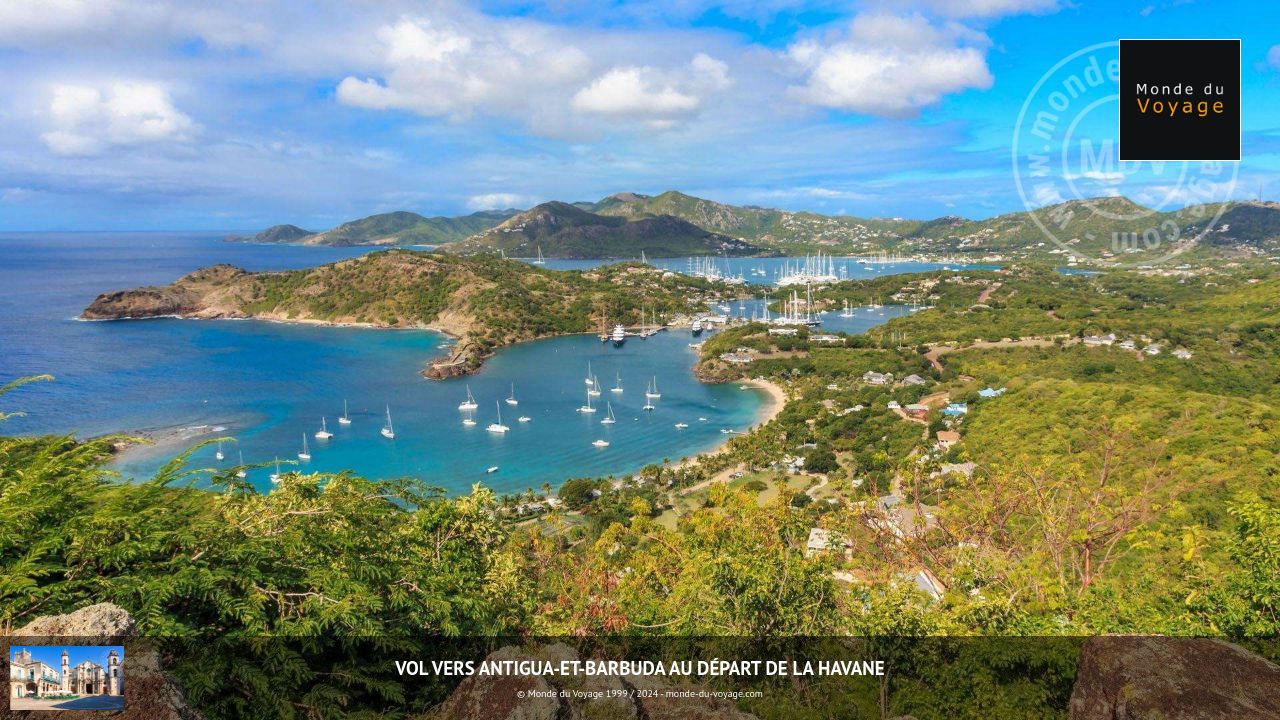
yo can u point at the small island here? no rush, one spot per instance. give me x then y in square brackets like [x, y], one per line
[485, 302]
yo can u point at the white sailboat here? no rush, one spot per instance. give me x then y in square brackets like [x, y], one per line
[305, 454]
[469, 403]
[541, 260]
[617, 386]
[346, 416]
[652, 393]
[498, 427]
[275, 476]
[609, 419]
[218, 455]
[469, 420]
[512, 400]
[241, 473]
[587, 408]
[594, 389]
[601, 443]
[388, 431]
[590, 378]
[323, 433]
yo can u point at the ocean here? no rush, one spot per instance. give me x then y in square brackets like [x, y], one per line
[267, 385]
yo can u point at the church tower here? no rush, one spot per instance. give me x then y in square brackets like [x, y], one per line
[113, 673]
[62, 678]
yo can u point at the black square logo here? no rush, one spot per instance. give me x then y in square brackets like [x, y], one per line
[1179, 100]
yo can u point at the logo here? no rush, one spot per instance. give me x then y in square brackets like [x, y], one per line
[1083, 197]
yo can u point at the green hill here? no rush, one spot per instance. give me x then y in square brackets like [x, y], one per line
[484, 301]
[393, 228]
[562, 230]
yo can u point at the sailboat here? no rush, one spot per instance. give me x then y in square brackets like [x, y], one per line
[643, 259]
[601, 443]
[594, 390]
[498, 427]
[218, 455]
[346, 416]
[617, 387]
[610, 419]
[590, 378]
[848, 311]
[512, 400]
[587, 408]
[652, 393]
[305, 454]
[275, 476]
[469, 420]
[241, 473]
[469, 403]
[541, 260]
[388, 431]
[681, 426]
[323, 433]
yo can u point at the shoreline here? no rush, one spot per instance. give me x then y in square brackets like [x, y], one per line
[776, 400]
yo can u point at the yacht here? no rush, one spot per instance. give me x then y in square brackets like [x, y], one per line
[492, 469]
[601, 443]
[275, 476]
[218, 455]
[241, 473]
[590, 378]
[541, 260]
[305, 454]
[617, 387]
[512, 400]
[619, 335]
[587, 408]
[697, 327]
[469, 403]
[388, 431]
[323, 433]
[346, 416]
[498, 427]
[609, 419]
[594, 390]
[469, 420]
[681, 426]
[523, 418]
[652, 393]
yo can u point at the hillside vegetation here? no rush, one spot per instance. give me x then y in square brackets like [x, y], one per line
[486, 302]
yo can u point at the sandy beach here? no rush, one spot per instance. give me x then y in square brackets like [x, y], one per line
[777, 399]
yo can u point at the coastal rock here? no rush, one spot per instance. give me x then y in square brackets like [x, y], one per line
[488, 697]
[104, 620]
[1149, 678]
[190, 295]
[150, 693]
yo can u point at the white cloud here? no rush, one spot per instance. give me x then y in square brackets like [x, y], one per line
[87, 120]
[1273, 57]
[497, 201]
[645, 93]
[989, 8]
[445, 66]
[891, 66]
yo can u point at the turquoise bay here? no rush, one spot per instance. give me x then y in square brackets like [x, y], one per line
[269, 384]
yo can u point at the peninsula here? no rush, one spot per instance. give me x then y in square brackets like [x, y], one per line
[484, 301]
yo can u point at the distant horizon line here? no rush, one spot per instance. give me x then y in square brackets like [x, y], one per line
[251, 231]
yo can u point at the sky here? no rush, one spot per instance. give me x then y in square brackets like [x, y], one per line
[52, 655]
[236, 115]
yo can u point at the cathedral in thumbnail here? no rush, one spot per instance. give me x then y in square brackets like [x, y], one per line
[29, 677]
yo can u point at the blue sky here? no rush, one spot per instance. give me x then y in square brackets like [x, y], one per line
[120, 114]
[76, 654]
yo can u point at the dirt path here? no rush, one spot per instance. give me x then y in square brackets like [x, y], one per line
[937, 351]
[986, 294]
